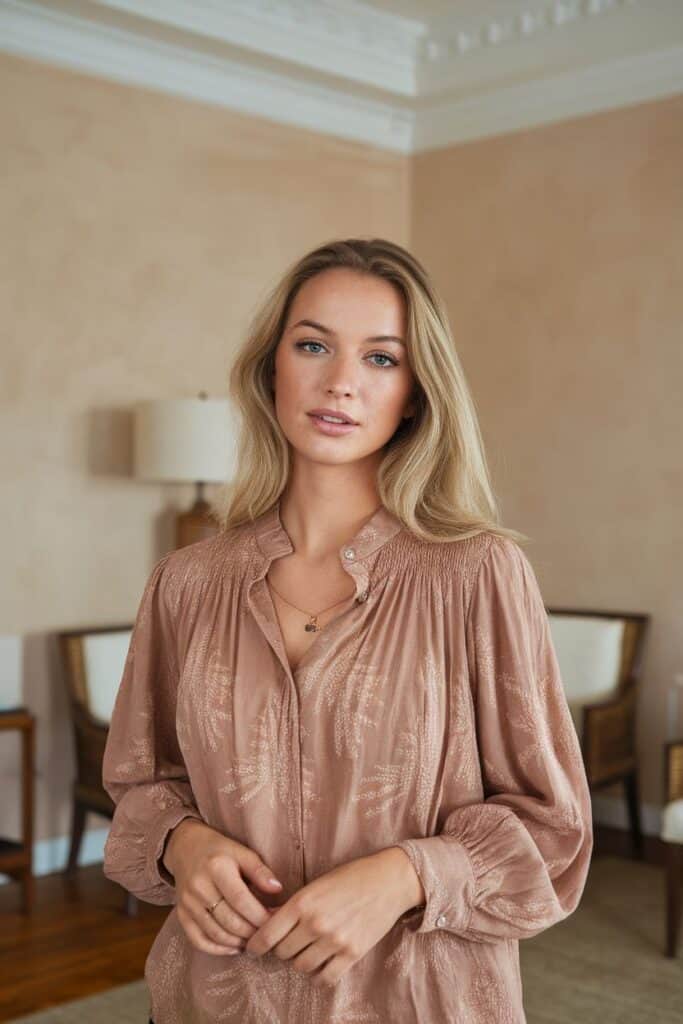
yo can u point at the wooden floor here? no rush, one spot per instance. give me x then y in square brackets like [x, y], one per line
[79, 941]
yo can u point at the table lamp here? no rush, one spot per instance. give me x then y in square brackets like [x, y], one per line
[183, 440]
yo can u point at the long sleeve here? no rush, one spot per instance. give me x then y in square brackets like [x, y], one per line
[143, 769]
[516, 863]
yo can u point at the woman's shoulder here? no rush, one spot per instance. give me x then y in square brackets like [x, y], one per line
[207, 560]
[453, 553]
[467, 562]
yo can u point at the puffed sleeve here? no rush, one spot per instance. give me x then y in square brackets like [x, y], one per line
[516, 863]
[143, 769]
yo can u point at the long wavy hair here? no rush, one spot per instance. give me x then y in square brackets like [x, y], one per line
[434, 475]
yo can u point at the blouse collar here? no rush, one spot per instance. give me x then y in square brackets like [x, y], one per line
[273, 540]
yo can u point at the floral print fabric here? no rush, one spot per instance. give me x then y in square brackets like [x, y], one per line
[429, 715]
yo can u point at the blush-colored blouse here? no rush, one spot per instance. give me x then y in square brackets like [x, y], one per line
[429, 715]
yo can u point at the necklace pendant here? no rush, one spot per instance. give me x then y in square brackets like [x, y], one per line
[312, 626]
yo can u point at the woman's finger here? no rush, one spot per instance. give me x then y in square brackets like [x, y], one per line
[226, 877]
[205, 893]
[228, 918]
[200, 941]
[215, 930]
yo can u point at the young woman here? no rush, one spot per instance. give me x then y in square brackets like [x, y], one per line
[341, 748]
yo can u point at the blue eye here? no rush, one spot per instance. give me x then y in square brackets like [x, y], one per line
[381, 355]
[300, 344]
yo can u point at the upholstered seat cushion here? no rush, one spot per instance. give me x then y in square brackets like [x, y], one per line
[672, 822]
[589, 655]
[104, 655]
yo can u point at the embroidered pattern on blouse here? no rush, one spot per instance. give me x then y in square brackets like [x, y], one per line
[142, 759]
[310, 771]
[253, 989]
[347, 689]
[536, 707]
[121, 847]
[485, 994]
[462, 754]
[265, 767]
[404, 716]
[257, 988]
[206, 698]
[167, 974]
[417, 753]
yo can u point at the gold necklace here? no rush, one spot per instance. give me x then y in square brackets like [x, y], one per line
[312, 624]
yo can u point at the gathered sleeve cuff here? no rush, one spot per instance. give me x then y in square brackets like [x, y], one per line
[143, 770]
[516, 863]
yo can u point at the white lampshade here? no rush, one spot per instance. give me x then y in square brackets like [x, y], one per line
[185, 440]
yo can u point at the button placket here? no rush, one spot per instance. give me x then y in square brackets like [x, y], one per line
[272, 541]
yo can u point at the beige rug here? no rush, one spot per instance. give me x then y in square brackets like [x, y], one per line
[604, 965]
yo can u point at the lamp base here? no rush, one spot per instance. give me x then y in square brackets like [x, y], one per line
[195, 524]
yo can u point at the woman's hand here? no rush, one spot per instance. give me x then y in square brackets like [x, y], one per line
[207, 865]
[339, 916]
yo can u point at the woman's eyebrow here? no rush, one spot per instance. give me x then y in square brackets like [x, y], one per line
[328, 330]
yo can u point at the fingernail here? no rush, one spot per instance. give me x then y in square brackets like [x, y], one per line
[274, 881]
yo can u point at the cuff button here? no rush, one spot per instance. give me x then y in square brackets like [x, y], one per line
[441, 920]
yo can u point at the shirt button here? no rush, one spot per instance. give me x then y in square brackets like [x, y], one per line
[349, 554]
[297, 844]
[441, 920]
[362, 597]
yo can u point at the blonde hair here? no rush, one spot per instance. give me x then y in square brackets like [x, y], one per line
[434, 475]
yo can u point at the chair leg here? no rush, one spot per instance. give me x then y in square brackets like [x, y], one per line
[27, 891]
[77, 828]
[633, 803]
[132, 905]
[673, 896]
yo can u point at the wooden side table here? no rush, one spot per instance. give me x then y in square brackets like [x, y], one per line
[16, 858]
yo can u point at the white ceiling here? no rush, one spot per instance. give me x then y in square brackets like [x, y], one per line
[405, 75]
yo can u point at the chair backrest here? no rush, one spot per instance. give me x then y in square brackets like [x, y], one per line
[599, 654]
[94, 660]
[11, 660]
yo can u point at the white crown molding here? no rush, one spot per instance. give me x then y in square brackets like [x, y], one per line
[355, 71]
[341, 38]
[460, 32]
[573, 94]
[118, 54]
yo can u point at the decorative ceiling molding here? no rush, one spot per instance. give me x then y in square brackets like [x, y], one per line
[456, 33]
[436, 74]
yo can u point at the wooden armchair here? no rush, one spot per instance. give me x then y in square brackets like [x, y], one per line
[671, 835]
[93, 662]
[600, 655]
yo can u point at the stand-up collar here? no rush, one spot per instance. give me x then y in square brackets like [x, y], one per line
[273, 540]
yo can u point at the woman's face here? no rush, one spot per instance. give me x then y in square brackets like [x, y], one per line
[340, 361]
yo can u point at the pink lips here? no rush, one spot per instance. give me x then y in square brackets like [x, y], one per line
[332, 429]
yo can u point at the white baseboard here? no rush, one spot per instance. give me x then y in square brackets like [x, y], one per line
[612, 811]
[50, 855]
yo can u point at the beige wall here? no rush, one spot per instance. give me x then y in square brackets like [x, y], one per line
[559, 252]
[140, 232]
